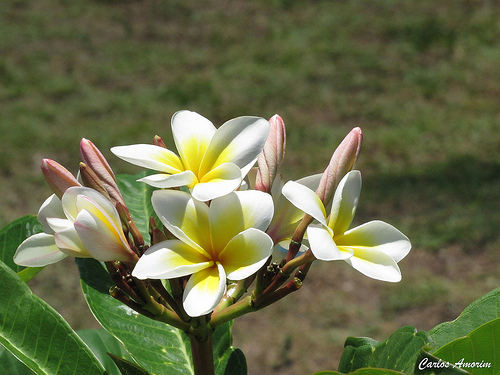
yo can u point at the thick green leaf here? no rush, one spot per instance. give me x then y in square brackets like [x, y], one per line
[155, 346]
[11, 365]
[13, 234]
[101, 343]
[127, 367]
[478, 352]
[363, 371]
[479, 312]
[137, 196]
[429, 364]
[399, 352]
[37, 335]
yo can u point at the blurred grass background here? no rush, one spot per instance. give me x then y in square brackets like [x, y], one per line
[421, 79]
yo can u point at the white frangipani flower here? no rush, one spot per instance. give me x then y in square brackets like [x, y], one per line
[211, 163]
[82, 224]
[373, 249]
[218, 242]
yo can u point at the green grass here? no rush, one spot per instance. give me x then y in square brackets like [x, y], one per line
[420, 78]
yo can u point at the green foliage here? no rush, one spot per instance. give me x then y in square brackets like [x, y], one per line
[137, 196]
[155, 346]
[37, 334]
[13, 234]
[479, 312]
[363, 371]
[398, 352]
[104, 346]
[479, 350]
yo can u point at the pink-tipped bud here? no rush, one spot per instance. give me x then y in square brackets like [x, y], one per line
[158, 141]
[96, 161]
[58, 177]
[342, 161]
[271, 155]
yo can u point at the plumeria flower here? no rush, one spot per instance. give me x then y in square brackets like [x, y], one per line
[374, 248]
[82, 224]
[211, 163]
[214, 243]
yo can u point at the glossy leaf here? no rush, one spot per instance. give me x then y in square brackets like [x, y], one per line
[479, 312]
[137, 196]
[11, 365]
[429, 364]
[478, 352]
[127, 367]
[13, 234]
[399, 352]
[37, 335]
[102, 343]
[155, 346]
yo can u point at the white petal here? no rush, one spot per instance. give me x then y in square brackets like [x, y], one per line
[101, 238]
[169, 259]
[37, 251]
[345, 202]
[57, 225]
[150, 156]
[165, 181]
[246, 253]
[70, 243]
[375, 264]
[305, 199]
[204, 290]
[377, 235]
[51, 207]
[236, 212]
[323, 246]
[192, 134]
[238, 141]
[218, 182]
[185, 217]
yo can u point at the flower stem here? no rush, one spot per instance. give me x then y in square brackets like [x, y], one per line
[202, 351]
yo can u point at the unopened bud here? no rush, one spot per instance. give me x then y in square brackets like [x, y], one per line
[91, 180]
[271, 155]
[157, 141]
[96, 161]
[58, 177]
[342, 161]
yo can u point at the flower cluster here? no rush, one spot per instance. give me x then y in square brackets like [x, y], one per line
[222, 219]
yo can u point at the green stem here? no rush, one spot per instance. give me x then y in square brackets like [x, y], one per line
[232, 312]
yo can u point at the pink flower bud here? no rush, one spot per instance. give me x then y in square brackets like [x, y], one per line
[95, 160]
[271, 155]
[58, 177]
[342, 161]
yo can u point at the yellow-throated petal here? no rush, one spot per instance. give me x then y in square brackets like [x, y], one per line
[238, 141]
[246, 253]
[375, 264]
[38, 250]
[151, 157]
[100, 237]
[236, 212]
[165, 181]
[379, 236]
[204, 290]
[323, 246]
[305, 199]
[218, 182]
[70, 243]
[345, 202]
[192, 134]
[170, 259]
[185, 217]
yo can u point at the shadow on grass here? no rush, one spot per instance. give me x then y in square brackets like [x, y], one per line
[457, 202]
